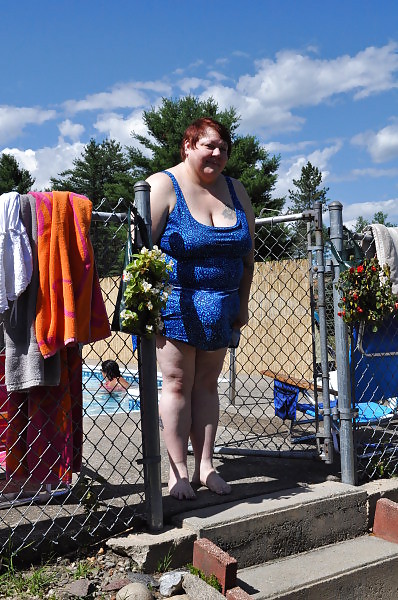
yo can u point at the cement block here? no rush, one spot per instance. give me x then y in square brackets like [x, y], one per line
[197, 588]
[364, 568]
[283, 523]
[210, 559]
[381, 488]
[386, 520]
[148, 550]
[237, 593]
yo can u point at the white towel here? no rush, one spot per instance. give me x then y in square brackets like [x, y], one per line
[15, 252]
[386, 243]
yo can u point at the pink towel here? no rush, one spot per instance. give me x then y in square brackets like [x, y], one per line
[44, 437]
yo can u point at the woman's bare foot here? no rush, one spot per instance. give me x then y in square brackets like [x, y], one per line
[214, 483]
[182, 489]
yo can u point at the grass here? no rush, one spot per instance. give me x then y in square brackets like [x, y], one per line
[165, 563]
[210, 580]
[35, 582]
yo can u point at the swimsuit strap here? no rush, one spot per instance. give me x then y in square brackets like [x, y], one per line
[232, 192]
[176, 186]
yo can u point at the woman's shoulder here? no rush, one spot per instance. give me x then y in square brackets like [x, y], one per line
[242, 194]
[161, 178]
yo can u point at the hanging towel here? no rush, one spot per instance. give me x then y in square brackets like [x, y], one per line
[44, 437]
[25, 366]
[285, 400]
[70, 308]
[386, 244]
[15, 251]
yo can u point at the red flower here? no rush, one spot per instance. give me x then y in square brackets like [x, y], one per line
[373, 268]
[355, 296]
[352, 270]
[360, 269]
[359, 309]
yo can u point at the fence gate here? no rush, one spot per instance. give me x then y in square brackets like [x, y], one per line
[268, 400]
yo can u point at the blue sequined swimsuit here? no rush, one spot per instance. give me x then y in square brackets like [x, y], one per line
[207, 269]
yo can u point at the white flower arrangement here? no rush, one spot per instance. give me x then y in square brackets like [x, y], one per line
[146, 293]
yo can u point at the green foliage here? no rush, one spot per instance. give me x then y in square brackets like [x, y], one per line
[379, 217]
[83, 569]
[211, 580]
[166, 125]
[13, 582]
[382, 467]
[164, 563]
[249, 162]
[366, 293]
[146, 292]
[307, 191]
[102, 171]
[12, 177]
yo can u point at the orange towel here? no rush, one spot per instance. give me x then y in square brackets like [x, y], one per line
[70, 307]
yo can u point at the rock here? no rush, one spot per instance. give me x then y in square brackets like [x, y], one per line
[134, 591]
[147, 580]
[116, 584]
[80, 588]
[171, 583]
[148, 550]
[197, 588]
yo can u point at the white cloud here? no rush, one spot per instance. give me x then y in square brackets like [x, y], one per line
[122, 95]
[266, 99]
[115, 126]
[368, 209]
[13, 120]
[190, 84]
[290, 168]
[71, 130]
[46, 162]
[217, 75]
[279, 147]
[381, 145]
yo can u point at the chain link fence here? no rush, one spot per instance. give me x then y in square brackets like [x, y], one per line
[270, 400]
[268, 384]
[71, 464]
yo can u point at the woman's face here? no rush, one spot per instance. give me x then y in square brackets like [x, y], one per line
[210, 155]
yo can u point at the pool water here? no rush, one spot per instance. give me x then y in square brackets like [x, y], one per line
[97, 401]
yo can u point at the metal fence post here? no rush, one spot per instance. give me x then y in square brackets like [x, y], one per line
[342, 360]
[149, 394]
[320, 270]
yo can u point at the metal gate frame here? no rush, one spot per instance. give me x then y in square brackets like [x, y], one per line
[321, 435]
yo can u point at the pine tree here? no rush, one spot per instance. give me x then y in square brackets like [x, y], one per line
[12, 177]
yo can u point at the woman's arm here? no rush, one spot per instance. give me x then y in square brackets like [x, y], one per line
[162, 196]
[248, 260]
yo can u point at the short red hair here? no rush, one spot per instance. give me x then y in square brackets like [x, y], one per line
[198, 128]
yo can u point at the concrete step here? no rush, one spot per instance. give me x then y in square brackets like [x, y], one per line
[365, 568]
[283, 523]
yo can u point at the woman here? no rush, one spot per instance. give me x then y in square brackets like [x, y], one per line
[114, 382]
[204, 222]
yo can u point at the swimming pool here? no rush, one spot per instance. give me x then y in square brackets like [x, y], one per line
[97, 401]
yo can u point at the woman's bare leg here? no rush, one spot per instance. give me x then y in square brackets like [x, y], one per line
[177, 363]
[205, 416]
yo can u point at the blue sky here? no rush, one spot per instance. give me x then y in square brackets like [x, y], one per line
[312, 80]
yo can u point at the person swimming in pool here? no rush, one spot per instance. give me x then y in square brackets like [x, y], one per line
[114, 382]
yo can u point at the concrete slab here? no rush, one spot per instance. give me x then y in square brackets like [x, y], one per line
[165, 550]
[279, 524]
[365, 567]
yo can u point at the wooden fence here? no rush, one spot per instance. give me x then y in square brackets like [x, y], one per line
[278, 336]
